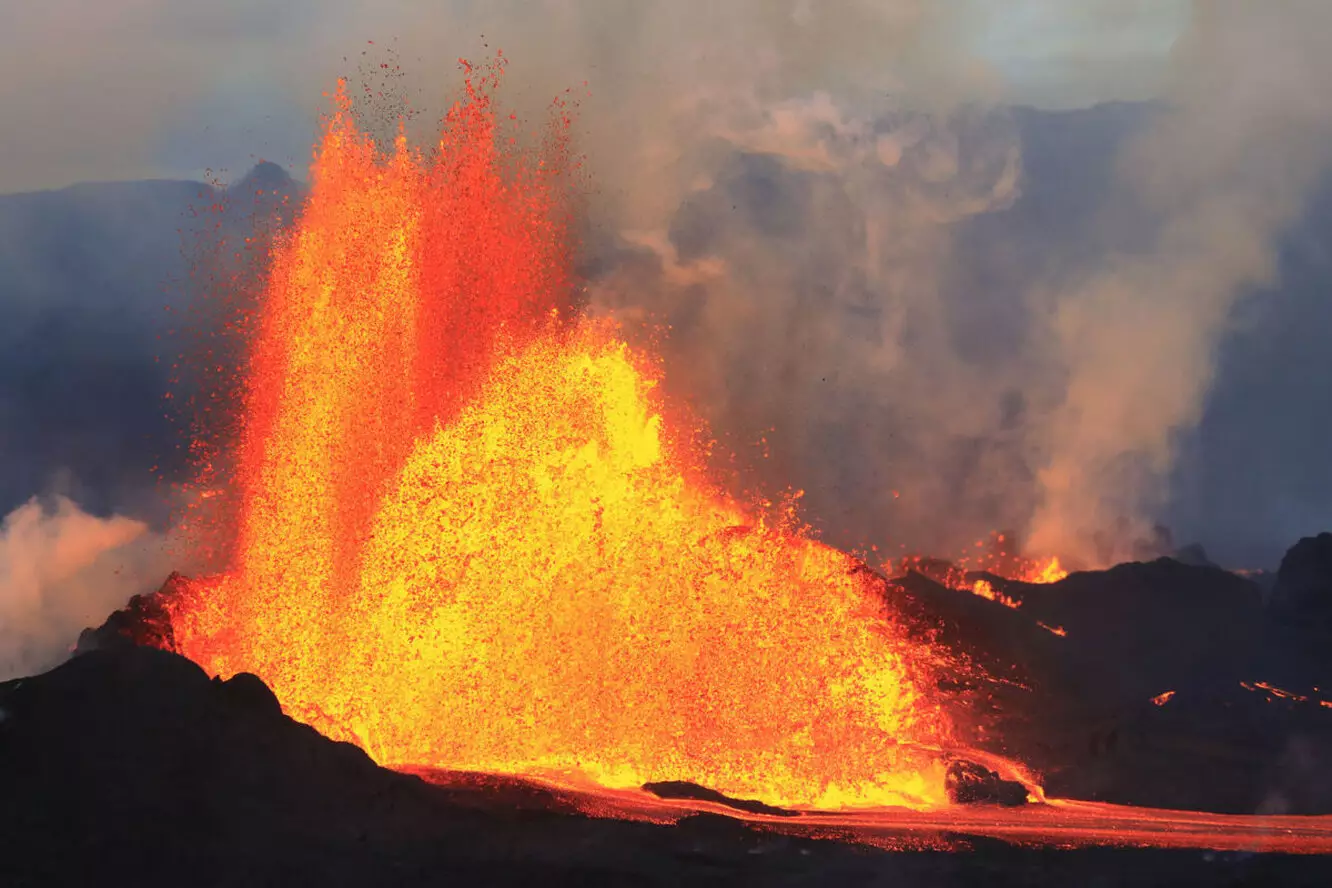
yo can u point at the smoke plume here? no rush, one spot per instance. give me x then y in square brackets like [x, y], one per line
[780, 187]
[62, 570]
[774, 187]
[1223, 172]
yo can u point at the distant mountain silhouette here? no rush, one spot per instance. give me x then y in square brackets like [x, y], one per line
[93, 280]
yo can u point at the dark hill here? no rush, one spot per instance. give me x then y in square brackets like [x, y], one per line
[1155, 693]
[132, 767]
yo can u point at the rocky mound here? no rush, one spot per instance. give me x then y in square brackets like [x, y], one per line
[1161, 684]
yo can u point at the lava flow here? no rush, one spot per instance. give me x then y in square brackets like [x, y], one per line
[468, 538]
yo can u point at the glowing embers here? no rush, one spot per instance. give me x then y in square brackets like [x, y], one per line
[1047, 571]
[1274, 693]
[1162, 698]
[466, 540]
[992, 557]
[997, 561]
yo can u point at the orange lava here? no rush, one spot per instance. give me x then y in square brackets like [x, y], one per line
[1275, 693]
[469, 540]
[1058, 823]
[993, 558]
[1162, 698]
[985, 589]
[1047, 571]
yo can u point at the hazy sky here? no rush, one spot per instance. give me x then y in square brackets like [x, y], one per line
[1054, 54]
[116, 89]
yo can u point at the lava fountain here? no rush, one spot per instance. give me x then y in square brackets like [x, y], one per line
[469, 538]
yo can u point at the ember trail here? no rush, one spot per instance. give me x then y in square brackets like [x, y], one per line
[470, 539]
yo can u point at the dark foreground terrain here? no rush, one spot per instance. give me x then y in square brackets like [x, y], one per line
[129, 765]
[132, 767]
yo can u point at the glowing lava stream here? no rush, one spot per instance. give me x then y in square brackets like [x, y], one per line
[1060, 823]
[469, 540]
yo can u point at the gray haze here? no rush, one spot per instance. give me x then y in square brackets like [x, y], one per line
[144, 88]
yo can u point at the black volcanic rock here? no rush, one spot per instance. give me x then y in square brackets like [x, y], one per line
[1081, 708]
[1303, 590]
[143, 622]
[683, 789]
[129, 766]
[970, 783]
[1077, 707]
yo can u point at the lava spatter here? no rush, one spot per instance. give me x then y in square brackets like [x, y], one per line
[469, 538]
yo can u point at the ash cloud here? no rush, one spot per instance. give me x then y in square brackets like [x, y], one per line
[797, 228]
[782, 187]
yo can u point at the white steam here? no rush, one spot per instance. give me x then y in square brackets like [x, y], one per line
[1225, 171]
[62, 570]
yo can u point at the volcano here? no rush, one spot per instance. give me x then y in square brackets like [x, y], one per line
[480, 583]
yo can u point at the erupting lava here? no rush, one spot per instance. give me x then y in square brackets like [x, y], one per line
[997, 561]
[468, 540]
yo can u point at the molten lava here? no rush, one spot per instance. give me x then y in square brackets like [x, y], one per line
[985, 589]
[468, 539]
[996, 558]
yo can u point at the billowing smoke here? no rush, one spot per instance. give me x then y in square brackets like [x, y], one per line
[62, 570]
[774, 188]
[1222, 173]
[800, 286]
[780, 195]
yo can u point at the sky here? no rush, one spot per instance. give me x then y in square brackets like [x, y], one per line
[126, 89]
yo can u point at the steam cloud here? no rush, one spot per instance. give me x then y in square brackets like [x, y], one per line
[1224, 172]
[61, 570]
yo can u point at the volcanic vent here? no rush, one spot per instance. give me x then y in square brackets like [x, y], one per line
[471, 536]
